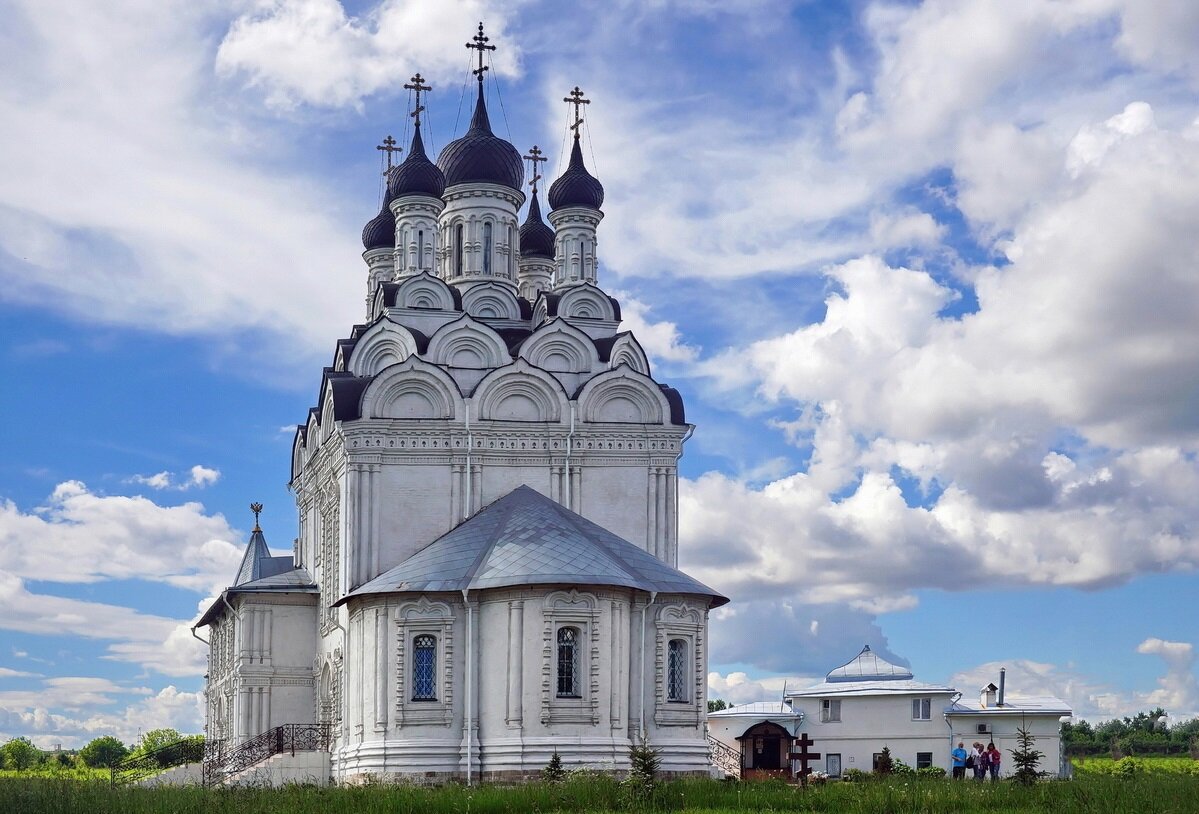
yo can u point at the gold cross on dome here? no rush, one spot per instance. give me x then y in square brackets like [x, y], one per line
[257, 509]
[417, 83]
[535, 157]
[389, 146]
[480, 44]
[576, 98]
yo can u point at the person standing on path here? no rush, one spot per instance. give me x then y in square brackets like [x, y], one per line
[959, 761]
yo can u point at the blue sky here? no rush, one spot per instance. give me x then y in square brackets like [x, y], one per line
[924, 273]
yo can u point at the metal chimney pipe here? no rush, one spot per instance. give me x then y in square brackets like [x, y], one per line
[1002, 677]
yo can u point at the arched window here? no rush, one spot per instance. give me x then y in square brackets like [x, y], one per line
[424, 668]
[676, 671]
[420, 249]
[458, 249]
[487, 248]
[568, 662]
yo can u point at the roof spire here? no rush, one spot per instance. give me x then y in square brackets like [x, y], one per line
[534, 158]
[576, 98]
[257, 509]
[389, 146]
[480, 41]
[417, 83]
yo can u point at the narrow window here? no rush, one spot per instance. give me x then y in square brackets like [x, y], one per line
[420, 249]
[922, 709]
[568, 662]
[424, 668]
[458, 250]
[676, 669]
[487, 248]
[830, 711]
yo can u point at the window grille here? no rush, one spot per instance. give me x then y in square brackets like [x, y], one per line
[424, 668]
[676, 671]
[924, 760]
[568, 662]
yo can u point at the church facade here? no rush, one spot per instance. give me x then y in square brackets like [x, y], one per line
[485, 571]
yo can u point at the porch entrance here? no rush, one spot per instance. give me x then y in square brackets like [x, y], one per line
[765, 751]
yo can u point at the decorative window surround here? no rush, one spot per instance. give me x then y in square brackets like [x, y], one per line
[571, 609]
[414, 619]
[680, 622]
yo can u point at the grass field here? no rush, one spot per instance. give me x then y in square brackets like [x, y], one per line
[1089, 766]
[1092, 793]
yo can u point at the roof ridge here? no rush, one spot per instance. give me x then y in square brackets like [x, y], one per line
[487, 547]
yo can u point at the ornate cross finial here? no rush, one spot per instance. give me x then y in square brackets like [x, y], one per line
[257, 509]
[389, 146]
[534, 158]
[417, 83]
[576, 98]
[480, 45]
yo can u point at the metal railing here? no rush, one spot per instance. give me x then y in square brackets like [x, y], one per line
[725, 758]
[220, 764]
[138, 767]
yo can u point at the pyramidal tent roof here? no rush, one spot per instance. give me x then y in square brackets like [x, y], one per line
[524, 538]
[867, 666]
[257, 562]
[258, 572]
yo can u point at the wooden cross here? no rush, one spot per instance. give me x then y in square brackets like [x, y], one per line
[389, 146]
[535, 157]
[417, 84]
[803, 756]
[257, 509]
[576, 98]
[480, 45]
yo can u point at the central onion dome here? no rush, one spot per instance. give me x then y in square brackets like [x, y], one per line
[480, 156]
[380, 231]
[416, 175]
[536, 239]
[576, 186]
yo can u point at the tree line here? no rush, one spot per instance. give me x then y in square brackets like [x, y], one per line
[19, 754]
[1146, 733]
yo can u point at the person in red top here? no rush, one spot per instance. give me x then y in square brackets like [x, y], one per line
[993, 758]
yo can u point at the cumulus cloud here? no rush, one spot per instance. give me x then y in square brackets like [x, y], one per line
[42, 723]
[738, 688]
[312, 52]
[80, 536]
[197, 477]
[1178, 689]
[661, 340]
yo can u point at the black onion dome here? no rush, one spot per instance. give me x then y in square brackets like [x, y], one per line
[480, 156]
[416, 175]
[576, 186]
[380, 231]
[536, 239]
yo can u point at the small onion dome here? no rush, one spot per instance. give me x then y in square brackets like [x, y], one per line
[380, 231]
[416, 175]
[576, 186]
[536, 239]
[480, 156]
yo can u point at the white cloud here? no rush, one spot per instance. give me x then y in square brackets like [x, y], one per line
[738, 688]
[81, 536]
[1178, 689]
[45, 725]
[201, 476]
[160, 480]
[311, 52]
[661, 340]
[8, 672]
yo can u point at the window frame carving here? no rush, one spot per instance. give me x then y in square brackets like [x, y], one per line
[413, 619]
[578, 610]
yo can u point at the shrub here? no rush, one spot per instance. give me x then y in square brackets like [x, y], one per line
[20, 754]
[898, 767]
[643, 773]
[854, 776]
[1127, 768]
[885, 764]
[930, 772]
[553, 771]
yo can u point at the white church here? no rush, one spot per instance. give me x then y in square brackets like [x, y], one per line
[485, 571]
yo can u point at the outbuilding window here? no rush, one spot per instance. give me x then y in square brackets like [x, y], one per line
[924, 760]
[922, 709]
[830, 710]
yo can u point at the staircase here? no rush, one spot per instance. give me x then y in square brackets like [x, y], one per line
[724, 758]
[228, 767]
[139, 767]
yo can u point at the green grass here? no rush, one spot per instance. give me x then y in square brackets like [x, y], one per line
[1101, 793]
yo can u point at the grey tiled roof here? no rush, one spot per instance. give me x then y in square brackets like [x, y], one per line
[524, 538]
[257, 562]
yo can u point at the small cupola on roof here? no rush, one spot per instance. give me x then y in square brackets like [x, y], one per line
[480, 156]
[576, 186]
[867, 666]
[536, 239]
[536, 271]
[416, 174]
[380, 231]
